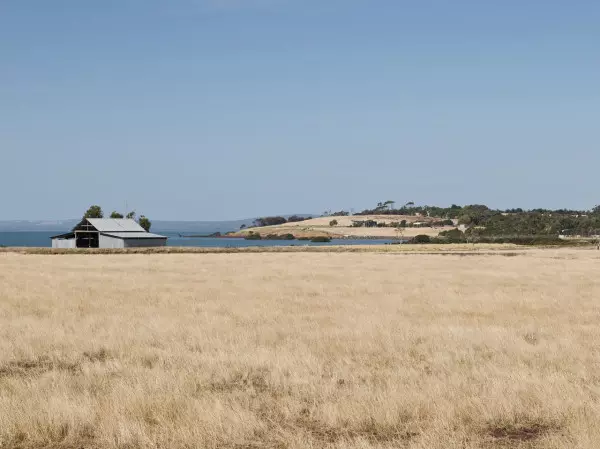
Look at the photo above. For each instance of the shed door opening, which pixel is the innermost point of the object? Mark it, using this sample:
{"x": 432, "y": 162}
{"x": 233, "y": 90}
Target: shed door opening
{"x": 87, "y": 240}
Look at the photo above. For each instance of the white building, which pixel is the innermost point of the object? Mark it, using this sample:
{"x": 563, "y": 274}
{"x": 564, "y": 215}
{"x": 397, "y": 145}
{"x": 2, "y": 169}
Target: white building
{"x": 108, "y": 233}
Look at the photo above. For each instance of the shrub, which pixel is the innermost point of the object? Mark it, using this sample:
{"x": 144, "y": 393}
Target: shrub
{"x": 421, "y": 238}
{"x": 453, "y": 236}
{"x": 321, "y": 239}
{"x": 252, "y": 236}
{"x": 439, "y": 240}
{"x": 304, "y": 238}
{"x": 280, "y": 237}
{"x": 333, "y": 223}
{"x": 535, "y": 240}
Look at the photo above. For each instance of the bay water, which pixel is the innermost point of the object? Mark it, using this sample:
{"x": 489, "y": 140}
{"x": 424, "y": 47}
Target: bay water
{"x": 42, "y": 239}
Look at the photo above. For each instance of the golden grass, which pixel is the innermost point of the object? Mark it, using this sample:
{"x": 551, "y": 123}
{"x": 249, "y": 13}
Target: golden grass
{"x": 338, "y": 231}
{"x": 300, "y": 350}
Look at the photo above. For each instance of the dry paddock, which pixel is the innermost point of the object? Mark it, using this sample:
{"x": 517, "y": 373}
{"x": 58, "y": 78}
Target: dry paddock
{"x": 300, "y": 350}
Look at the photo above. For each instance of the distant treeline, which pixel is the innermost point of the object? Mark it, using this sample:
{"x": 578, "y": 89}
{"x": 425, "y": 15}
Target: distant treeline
{"x": 277, "y": 220}
{"x": 401, "y": 224}
{"x": 478, "y": 219}
{"x": 483, "y": 221}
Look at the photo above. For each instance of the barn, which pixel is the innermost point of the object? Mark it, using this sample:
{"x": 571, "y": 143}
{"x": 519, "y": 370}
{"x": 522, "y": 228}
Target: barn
{"x": 108, "y": 233}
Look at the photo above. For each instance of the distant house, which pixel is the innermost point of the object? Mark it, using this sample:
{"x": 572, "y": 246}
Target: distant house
{"x": 108, "y": 233}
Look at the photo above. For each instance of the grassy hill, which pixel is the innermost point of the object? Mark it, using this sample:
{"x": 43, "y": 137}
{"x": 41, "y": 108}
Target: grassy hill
{"x": 345, "y": 229}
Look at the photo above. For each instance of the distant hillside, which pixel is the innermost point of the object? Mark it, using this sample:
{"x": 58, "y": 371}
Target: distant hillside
{"x": 37, "y": 225}
{"x": 198, "y": 227}
{"x": 204, "y": 227}
{"x": 381, "y": 226}
{"x": 157, "y": 226}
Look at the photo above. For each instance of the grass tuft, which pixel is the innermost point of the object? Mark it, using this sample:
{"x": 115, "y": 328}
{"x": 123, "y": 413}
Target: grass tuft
{"x": 521, "y": 431}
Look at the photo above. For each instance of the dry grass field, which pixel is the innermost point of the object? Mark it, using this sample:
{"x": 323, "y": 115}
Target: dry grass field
{"x": 300, "y": 350}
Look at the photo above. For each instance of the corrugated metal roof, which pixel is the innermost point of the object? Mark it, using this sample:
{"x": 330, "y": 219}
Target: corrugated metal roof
{"x": 68, "y": 235}
{"x": 133, "y": 235}
{"x": 115, "y": 225}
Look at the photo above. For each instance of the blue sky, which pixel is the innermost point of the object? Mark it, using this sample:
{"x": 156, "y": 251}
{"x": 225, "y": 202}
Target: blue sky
{"x": 223, "y": 109}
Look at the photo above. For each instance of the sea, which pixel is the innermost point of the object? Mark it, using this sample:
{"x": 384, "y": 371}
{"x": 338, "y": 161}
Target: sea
{"x": 42, "y": 239}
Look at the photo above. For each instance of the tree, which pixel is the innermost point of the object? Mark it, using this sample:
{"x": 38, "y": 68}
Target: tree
{"x": 243, "y": 226}
{"x": 295, "y": 219}
{"x": 131, "y": 215}
{"x": 269, "y": 221}
{"x": 381, "y": 206}
{"x": 465, "y": 219}
{"x": 145, "y": 223}
{"x": 472, "y": 235}
{"x": 94, "y": 211}
{"x": 399, "y": 232}
{"x": 116, "y": 214}
{"x": 333, "y": 223}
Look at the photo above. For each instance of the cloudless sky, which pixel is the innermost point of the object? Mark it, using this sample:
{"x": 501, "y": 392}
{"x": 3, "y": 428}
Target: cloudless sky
{"x": 223, "y": 109}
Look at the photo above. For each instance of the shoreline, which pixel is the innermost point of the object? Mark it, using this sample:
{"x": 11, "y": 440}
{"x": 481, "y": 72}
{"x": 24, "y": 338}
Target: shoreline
{"x": 348, "y": 237}
{"x": 443, "y": 249}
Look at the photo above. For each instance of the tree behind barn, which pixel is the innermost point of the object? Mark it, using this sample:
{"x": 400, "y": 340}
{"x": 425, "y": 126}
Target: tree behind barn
{"x": 145, "y": 223}
{"x": 94, "y": 211}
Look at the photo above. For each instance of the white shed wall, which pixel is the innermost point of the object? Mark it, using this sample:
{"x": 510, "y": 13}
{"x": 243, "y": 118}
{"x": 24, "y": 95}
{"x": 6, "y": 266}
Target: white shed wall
{"x": 63, "y": 243}
{"x": 110, "y": 242}
{"x": 144, "y": 243}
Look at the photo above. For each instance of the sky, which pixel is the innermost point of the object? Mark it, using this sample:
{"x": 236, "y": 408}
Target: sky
{"x": 227, "y": 109}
